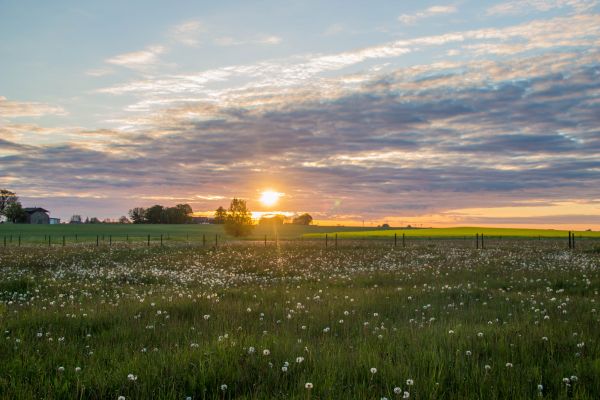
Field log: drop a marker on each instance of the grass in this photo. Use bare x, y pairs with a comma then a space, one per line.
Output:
182, 321
454, 232
139, 233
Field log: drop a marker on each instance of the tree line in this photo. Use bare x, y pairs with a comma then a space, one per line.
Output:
157, 214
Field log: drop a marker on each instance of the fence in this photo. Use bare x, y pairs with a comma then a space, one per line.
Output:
478, 241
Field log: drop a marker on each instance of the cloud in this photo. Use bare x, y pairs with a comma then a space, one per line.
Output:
138, 60
515, 7
410, 19
14, 109
99, 72
187, 32
259, 40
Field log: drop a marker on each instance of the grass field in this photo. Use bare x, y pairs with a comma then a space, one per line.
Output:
135, 232
454, 232
253, 322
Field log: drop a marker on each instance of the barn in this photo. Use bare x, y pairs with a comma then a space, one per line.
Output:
36, 215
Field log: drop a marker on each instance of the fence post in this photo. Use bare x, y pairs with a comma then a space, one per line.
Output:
19, 240
573, 239
336, 240
97, 240
49, 241
395, 239
265, 240
326, 240
477, 240
110, 240
403, 240
216, 239
204, 240
4, 241
64, 241
482, 246
161, 240
148, 240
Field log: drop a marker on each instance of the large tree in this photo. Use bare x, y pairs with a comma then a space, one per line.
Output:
220, 215
14, 212
304, 219
239, 219
137, 215
7, 197
156, 214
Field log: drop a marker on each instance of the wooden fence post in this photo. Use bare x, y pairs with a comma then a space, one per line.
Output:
326, 240
216, 239
403, 240
477, 240
161, 240
148, 240
97, 240
336, 240
204, 240
395, 239
19, 240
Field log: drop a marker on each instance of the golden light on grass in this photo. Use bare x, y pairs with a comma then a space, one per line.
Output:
270, 197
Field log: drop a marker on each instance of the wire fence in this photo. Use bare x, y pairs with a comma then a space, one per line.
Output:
329, 241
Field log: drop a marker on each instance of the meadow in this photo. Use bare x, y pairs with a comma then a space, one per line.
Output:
296, 320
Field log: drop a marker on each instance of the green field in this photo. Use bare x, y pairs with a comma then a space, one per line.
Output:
454, 232
140, 232
178, 322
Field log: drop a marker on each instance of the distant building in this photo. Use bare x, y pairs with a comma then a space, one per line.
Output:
54, 221
36, 215
203, 220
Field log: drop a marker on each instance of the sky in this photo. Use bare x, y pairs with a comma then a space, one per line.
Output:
464, 113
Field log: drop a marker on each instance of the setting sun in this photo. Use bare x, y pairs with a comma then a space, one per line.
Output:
270, 197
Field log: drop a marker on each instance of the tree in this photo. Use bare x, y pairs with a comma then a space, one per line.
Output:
220, 215
137, 215
156, 214
124, 220
239, 219
94, 220
14, 212
180, 214
274, 220
75, 219
6, 197
304, 219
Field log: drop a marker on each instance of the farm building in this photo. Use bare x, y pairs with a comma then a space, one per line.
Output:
36, 215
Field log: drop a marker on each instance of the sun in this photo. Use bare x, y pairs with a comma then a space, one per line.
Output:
269, 197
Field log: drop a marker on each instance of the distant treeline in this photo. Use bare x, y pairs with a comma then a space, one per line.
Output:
157, 214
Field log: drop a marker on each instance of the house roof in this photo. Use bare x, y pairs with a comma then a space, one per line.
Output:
31, 210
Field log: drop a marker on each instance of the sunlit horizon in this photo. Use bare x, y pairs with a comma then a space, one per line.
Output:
421, 113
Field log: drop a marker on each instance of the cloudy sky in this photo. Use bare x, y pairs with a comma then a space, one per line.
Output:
433, 113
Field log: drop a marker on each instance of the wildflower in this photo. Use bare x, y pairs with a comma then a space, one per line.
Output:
509, 365
373, 370
77, 369
223, 387
468, 353
61, 369
121, 398
487, 367
406, 395
540, 387
397, 390
480, 334
410, 382
451, 332
299, 359
308, 385
206, 317
251, 350
284, 369
132, 377
266, 352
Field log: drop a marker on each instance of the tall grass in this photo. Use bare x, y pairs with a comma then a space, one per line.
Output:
356, 322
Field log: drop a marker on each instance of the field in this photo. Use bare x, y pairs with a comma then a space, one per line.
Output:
454, 233
299, 321
139, 233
